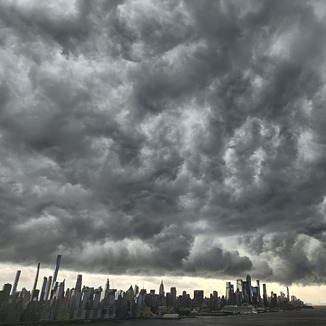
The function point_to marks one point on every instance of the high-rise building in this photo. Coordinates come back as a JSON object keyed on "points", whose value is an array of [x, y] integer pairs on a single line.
{"points": [[258, 286], [161, 289], [56, 270], [229, 293], [33, 296], [48, 289], [215, 300], [244, 292], [255, 299], [249, 289], [173, 292], [78, 286], [239, 286], [265, 302], [97, 298], [45, 279], [107, 288], [6, 291], [198, 298], [60, 290], [14, 288]]}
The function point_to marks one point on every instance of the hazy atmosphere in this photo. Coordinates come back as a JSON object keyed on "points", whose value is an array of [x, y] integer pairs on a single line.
{"points": [[164, 138]]}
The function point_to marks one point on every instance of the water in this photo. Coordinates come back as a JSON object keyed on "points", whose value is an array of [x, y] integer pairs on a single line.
{"points": [[308, 317]]}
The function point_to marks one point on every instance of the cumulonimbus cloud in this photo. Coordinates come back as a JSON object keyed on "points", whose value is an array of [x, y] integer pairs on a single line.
{"points": [[131, 131]]}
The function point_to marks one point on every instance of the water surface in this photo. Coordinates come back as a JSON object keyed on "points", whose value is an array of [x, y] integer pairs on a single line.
{"points": [[307, 317]]}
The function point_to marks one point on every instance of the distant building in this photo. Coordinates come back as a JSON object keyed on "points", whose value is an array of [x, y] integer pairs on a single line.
{"points": [[198, 298], [161, 289], [14, 288]]}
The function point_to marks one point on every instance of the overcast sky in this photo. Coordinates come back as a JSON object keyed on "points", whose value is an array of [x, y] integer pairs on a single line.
{"points": [[165, 137]]}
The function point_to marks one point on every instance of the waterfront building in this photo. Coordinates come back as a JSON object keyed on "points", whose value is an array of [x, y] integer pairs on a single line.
{"points": [[249, 289], [265, 302], [229, 293], [255, 295], [258, 292]]}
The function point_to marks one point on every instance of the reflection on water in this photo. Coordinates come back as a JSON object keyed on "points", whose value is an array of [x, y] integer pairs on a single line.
{"points": [[307, 317]]}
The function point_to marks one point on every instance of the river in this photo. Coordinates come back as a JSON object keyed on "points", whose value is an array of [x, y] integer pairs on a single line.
{"points": [[307, 317]]}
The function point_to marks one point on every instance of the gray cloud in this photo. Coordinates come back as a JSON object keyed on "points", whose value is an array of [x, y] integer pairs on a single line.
{"points": [[131, 131]]}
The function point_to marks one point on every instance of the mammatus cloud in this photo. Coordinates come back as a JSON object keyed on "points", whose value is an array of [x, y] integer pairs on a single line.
{"points": [[165, 137]]}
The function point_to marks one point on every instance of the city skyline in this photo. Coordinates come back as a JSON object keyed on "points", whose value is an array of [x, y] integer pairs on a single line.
{"points": [[46, 290], [123, 282], [164, 139], [54, 301]]}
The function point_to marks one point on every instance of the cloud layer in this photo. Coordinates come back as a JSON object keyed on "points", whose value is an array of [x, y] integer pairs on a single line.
{"points": [[165, 137]]}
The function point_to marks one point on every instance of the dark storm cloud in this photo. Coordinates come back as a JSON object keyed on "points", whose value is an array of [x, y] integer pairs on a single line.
{"points": [[165, 137], [298, 257]]}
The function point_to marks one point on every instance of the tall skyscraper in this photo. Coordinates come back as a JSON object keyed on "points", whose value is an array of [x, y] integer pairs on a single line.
{"points": [[249, 289], [60, 290], [265, 295], [229, 293], [56, 270], [136, 289], [258, 295], [161, 289], [78, 286], [6, 291], [35, 282], [107, 288], [45, 279], [48, 289], [173, 292], [14, 288], [239, 285]]}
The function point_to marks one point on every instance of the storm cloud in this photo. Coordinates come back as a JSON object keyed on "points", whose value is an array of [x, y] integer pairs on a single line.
{"points": [[165, 137]]}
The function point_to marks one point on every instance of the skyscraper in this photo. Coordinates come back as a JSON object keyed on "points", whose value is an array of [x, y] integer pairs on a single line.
{"points": [[229, 293], [173, 292], [6, 291], [48, 289], [56, 270], [288, 293], [161, 289], [239, 285], [35, 282], [45, 279], [78, 286], [265, 295], [14, 288], [249, 289], [258, 294], [198, 298], [107, 288], [136, 289]]}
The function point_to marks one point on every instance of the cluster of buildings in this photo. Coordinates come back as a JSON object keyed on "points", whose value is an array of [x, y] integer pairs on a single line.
{"points": [[248, 294], [53, 302]]}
